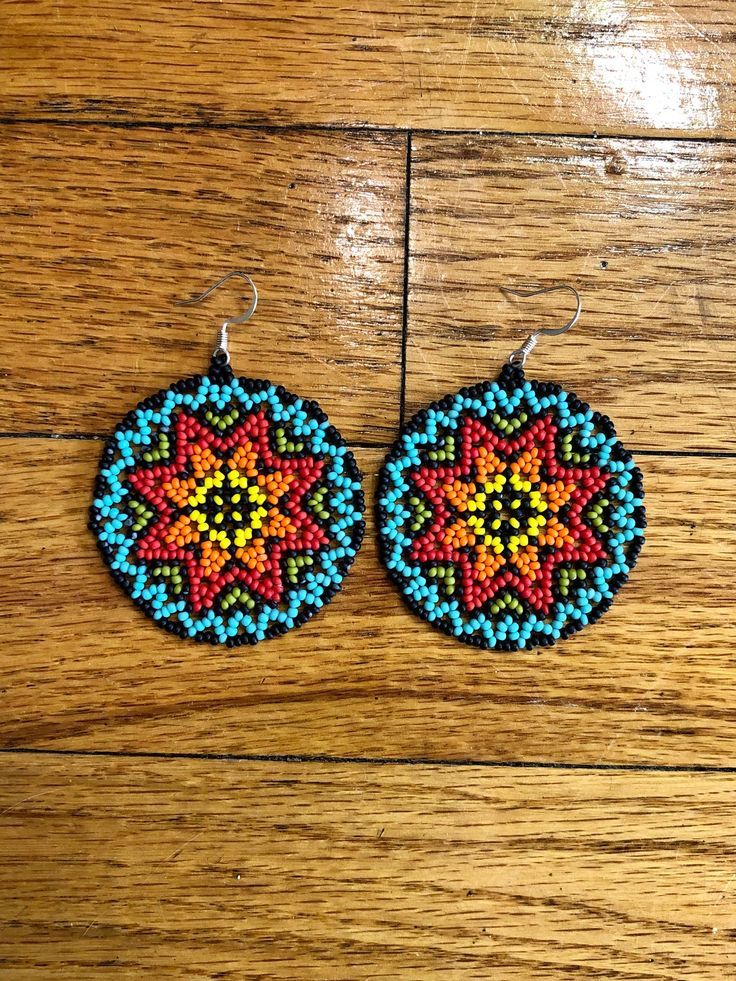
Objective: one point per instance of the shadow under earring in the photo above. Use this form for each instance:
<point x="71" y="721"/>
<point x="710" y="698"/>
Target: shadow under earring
<point x="509" y="514"/>
<point x="228" y="509"/>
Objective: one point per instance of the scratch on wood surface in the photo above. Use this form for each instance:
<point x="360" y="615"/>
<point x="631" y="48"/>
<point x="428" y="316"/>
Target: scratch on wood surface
<point x="177" y="852"/>
<point x="727" y="415"/>
<point x="25" y="800"/>
<point x="665" y="292"/>
<point x="468" y="40"/>
<point x="677" y="13"/>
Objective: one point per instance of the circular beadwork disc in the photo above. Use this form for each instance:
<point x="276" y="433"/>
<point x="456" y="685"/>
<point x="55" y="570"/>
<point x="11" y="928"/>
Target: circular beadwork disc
<point x="228" y="509"/>
<point x="510" y="514"/>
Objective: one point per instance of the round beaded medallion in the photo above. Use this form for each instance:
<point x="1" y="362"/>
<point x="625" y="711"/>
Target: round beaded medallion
<point x="510" y="514"/>
<point x="228" y="509"/>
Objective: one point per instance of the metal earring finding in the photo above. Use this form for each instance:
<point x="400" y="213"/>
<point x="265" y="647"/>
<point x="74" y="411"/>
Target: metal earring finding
<point x="519" y="356"/>
<point x="222" y="343"/>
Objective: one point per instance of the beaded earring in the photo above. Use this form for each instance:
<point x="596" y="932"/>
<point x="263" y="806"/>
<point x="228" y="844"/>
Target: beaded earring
<point x="509" y="514"/>
<point x="228" y="509"/>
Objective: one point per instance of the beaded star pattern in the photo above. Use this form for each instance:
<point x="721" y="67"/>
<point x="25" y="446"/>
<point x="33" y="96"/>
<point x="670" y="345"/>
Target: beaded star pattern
<point x="510" y="514"/>
<point x="228" y="509"/>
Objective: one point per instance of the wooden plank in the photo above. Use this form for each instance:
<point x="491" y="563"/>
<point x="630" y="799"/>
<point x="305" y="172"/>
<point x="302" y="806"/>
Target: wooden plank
<point x="643" y="229"/>
<point x="102" y="231"/>
<point x="208" y="869"/>
<point x="524" y="66"/>
<point x="81" y="667"/>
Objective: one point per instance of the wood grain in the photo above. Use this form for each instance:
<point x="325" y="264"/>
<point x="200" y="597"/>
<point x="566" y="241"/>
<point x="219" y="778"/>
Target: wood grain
<point x="102" y="231"/>
<point x="193" y="870"/>
<point x="82" y="668"/>
<point x="144" y="152"/>
<point x="535" y="65"/>
<point x="643" y="229"/>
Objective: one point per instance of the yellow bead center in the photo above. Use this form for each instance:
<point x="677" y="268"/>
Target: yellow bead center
<point x="507" y="513"/>
<point x="227" y="508"/>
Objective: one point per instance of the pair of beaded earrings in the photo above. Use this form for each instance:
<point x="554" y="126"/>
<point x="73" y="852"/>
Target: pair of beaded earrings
<point x="230" y="510"/>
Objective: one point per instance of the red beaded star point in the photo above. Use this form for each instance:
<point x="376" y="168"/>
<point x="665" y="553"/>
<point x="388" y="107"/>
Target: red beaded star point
<point x="508" y="514"/>
<point x="229" y="509"/>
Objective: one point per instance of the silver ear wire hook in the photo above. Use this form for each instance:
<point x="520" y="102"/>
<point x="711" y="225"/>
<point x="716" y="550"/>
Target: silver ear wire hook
<point x="222" y="344"/>
<point x="519" y="356"/>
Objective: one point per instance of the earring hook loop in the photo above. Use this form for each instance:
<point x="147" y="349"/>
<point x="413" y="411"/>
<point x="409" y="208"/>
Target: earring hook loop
<point x="519" y="356"/>
<point x="222" y="344"/>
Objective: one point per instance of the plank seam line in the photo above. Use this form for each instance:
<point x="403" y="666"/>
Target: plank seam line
<point x="99" y="437"/>
<point x="195" y="125"/>
<point x="405" y="285"/>
<point x="370" y="760"/>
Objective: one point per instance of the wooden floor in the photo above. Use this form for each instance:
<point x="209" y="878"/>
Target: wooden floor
<point x="365" y="798"/>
